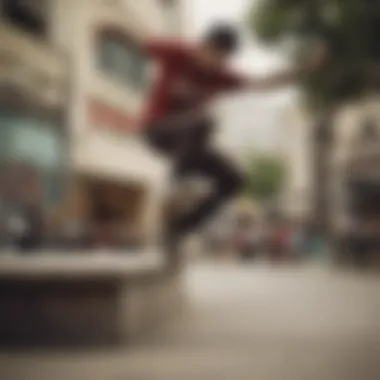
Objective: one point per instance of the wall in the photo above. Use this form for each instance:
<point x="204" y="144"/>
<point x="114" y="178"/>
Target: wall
<point x="79" y="300"/>
<point x="33" y="66"/>
<point x="98" y="149"/>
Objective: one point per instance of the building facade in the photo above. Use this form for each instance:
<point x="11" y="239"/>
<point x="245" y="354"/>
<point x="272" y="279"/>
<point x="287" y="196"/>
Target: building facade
<point x="34" y="104"/>
<point x="106" y="79"/>
<point x="355" y="164"/>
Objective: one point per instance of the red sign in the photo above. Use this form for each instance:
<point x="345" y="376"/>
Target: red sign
<point x="103" y="116"/>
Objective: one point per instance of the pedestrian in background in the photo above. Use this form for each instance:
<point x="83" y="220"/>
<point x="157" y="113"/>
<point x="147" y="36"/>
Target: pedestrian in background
<point x="248" y="239"/>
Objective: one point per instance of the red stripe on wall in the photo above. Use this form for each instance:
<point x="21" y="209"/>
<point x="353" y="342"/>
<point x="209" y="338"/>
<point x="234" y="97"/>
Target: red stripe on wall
<point x="100" y="115"/>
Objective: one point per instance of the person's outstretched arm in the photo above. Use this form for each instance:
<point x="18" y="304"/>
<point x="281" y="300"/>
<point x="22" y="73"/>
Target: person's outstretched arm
<point x="287" y="77"/>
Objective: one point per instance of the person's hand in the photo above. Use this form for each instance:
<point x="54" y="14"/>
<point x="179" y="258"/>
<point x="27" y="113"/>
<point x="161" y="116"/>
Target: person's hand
<point x="317" y="58"/>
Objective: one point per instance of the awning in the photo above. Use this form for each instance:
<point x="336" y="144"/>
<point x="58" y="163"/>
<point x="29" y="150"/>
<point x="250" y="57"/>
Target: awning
<point x="118" y="157"/>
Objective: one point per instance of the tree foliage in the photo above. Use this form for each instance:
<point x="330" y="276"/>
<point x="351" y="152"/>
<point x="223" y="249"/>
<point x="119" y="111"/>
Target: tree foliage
<point x="351" y="29"/>
<point x="265" y="177"/>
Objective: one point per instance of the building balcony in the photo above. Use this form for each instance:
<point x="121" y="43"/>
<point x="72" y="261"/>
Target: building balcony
<point x="31" y="68"/>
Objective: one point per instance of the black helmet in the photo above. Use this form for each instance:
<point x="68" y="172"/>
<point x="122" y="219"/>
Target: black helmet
<point x="223" y="37"/>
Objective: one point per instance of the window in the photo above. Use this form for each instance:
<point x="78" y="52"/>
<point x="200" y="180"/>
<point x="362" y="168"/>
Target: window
<point x="36" y="143"/>
<point x="29" y="15"/>
<point x="121" y="59"/>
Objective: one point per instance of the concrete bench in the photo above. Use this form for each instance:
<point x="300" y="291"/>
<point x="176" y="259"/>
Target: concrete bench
<point x="84" y="299"/>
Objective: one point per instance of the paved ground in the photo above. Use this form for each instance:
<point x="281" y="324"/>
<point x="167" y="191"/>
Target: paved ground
<point x="244" y="323"/>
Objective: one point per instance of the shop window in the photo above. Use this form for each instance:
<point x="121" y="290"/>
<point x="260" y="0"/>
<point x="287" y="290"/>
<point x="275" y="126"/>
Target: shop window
<point x="37" y="144"/>
<point x="29" y="15"/>
<point x="120" y="59"/>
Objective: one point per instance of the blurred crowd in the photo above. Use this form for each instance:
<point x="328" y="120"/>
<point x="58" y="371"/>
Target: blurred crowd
<point x="360" y="243"/>
<point x="286" y="241"/>
<point x="278" y="242"/>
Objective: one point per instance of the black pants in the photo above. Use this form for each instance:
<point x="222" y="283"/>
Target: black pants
<point x="186" y="141"/>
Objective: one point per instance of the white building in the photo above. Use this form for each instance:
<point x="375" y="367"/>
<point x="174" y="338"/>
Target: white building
<point x="108" y="79"/>
<point x="350" y="149"/>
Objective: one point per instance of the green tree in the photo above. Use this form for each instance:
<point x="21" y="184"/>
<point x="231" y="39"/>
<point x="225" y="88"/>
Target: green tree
<point x="351" y="30"/>
<point x="265" y="177"/>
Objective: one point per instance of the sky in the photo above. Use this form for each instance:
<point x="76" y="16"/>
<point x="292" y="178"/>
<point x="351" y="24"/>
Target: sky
<point x="249" y="121"/>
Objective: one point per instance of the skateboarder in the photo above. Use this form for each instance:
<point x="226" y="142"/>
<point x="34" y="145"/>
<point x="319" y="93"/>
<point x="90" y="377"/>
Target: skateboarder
<point x="176" y="121"/>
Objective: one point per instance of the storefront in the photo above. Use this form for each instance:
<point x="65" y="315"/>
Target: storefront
<point x="112" y="211"/>
<point x="363" y="174"/>
<point x="119" y="181"/>
<point x="362" y="189"/>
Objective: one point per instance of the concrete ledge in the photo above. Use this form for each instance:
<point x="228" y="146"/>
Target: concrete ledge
<point x="84" y="299"/>
<point x="60" y="265"/>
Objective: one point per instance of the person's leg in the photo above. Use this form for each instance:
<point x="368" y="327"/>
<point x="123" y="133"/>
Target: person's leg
<point x="226" y="183"/>
<point x="176" y="136"/>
